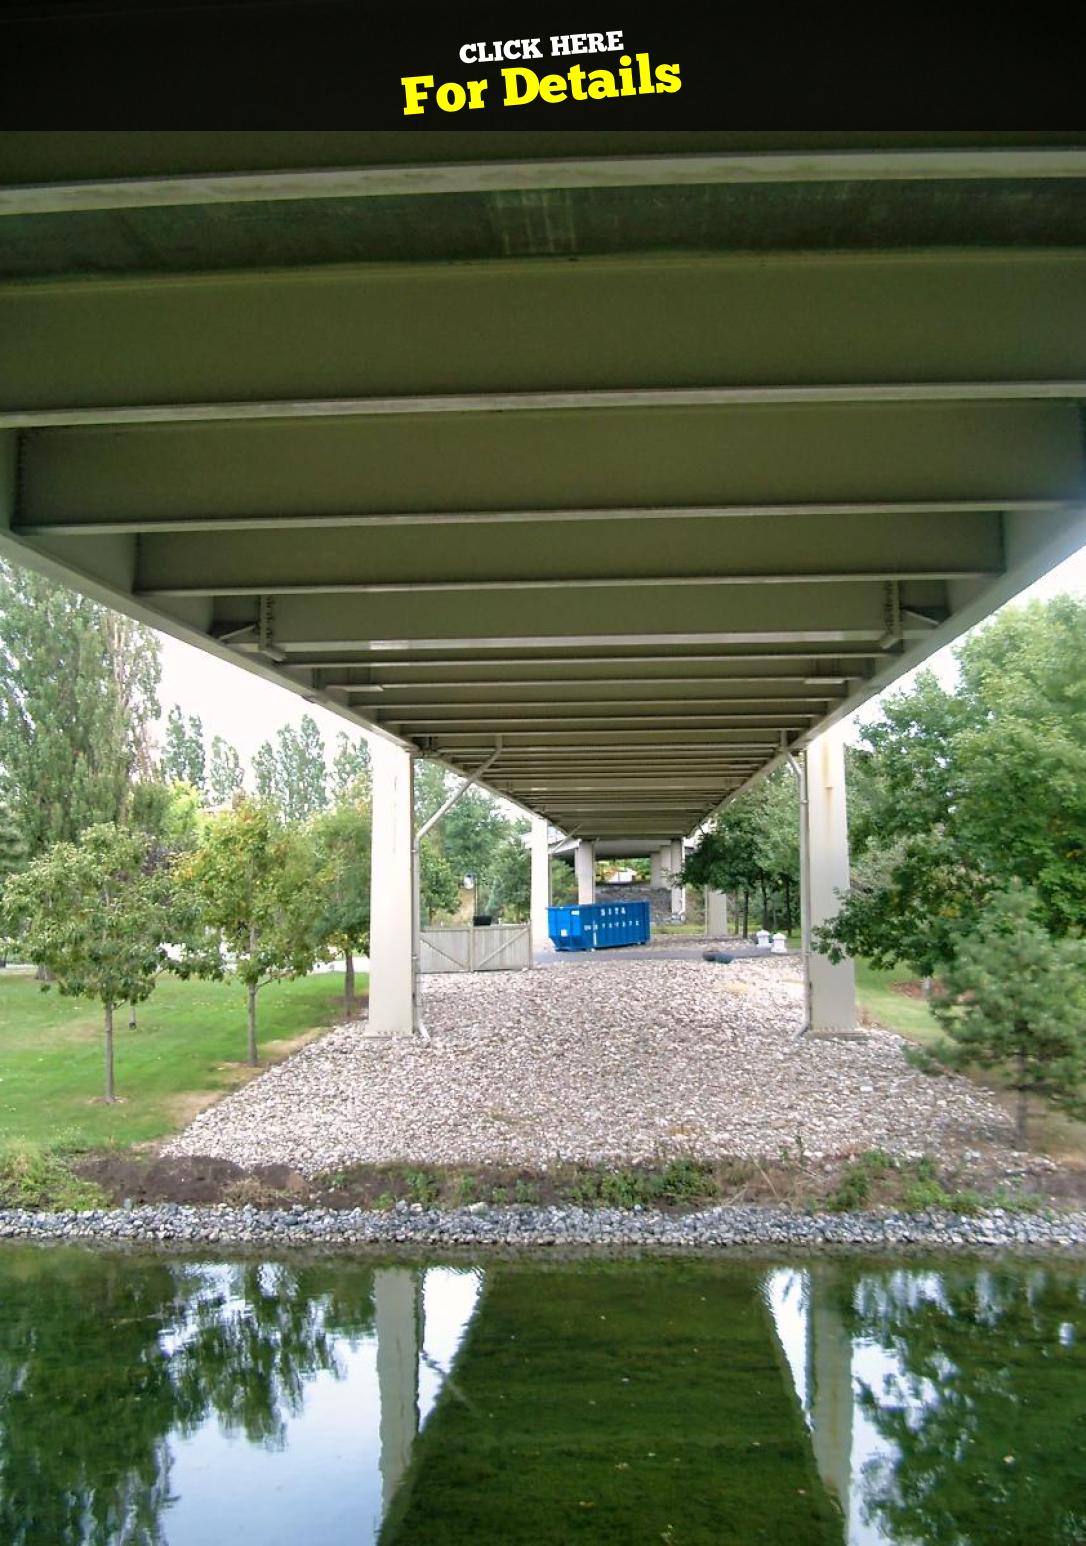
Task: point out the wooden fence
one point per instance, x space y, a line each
500 947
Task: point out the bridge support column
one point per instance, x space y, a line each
541 882
716 914
830 1386
832 988
397 1322
658 869
584 862
676 859
392 902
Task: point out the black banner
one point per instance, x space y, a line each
596 65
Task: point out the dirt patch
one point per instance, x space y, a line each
914 988
867 1179
148 1178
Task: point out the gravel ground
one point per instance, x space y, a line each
752 1228
601 1065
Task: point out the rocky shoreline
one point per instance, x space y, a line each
482 1226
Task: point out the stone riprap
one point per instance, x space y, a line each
604 1064
745 1228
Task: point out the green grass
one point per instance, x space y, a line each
910 1017
190 1044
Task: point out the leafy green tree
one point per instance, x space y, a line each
341 884
777 844
510 879
291 773
563 884
1014 998
91 914
224 775
431 789
439 886
728 857
77 703
12 859
964 791
169 814
350 769
184 757
472 834
12 843
253 877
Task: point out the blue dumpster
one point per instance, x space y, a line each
598 925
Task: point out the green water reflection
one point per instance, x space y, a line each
160 1399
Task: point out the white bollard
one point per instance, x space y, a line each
779 946
761 939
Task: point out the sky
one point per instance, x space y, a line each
246 709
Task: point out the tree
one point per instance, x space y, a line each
1014 998
291 773
350 769
184 758
431 789
777 843
510 879
728 856
77 702
224 776
471 836
341 887
439 886
253 877
961 792
168 814
90 913
12 843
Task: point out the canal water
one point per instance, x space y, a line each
198 1401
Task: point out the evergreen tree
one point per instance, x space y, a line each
183 758
224 775
77 702
1014 998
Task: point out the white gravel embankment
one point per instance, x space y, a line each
610 1062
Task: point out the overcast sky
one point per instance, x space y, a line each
246 710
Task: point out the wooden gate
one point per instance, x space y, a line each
500 947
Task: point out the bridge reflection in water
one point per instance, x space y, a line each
166 1400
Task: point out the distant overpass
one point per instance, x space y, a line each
636 459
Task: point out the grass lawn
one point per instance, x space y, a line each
189 1047
901 1012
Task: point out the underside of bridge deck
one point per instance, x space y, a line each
637 458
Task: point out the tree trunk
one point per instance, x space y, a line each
1022 1113
348 981
132 1017
746 912
765 904
110 1094
43 974
787 904
252 1024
